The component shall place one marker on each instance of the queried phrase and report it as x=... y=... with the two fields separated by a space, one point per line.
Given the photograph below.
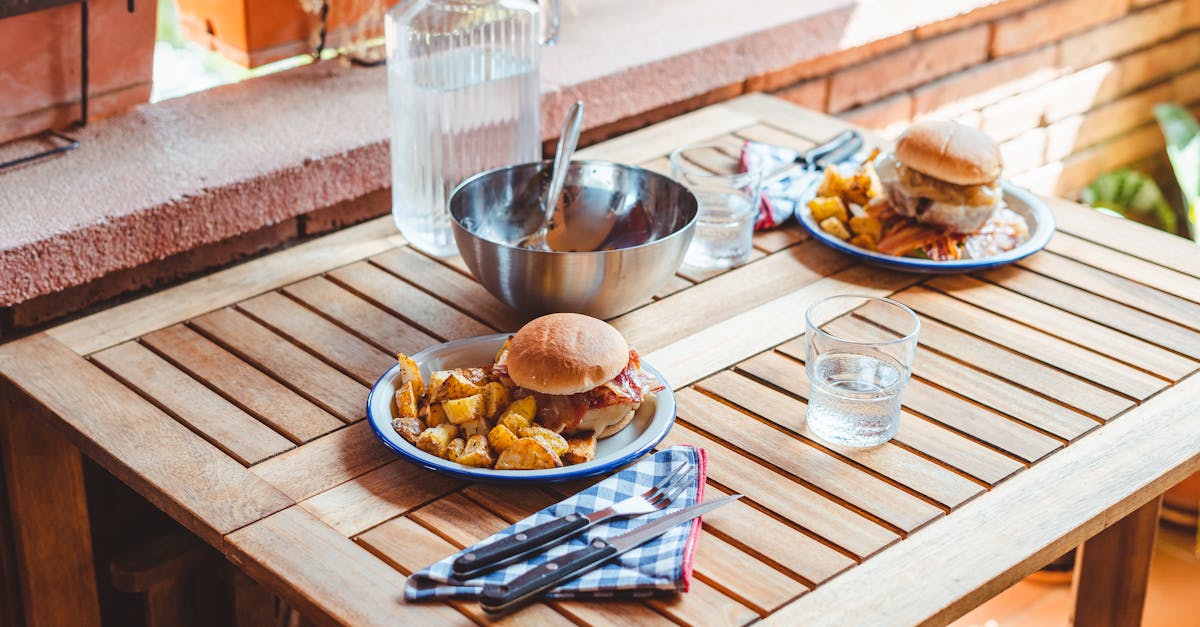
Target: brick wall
x=1067 y=87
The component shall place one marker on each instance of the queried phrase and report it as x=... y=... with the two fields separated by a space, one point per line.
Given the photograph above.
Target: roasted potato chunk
x=835 y=227
x=454 y=449
x=476 y=453
x=478 y=376
x=866 y=226
x=580 y=448
x=862 y=241
x=410 y=373
x=408 y=428
x=479 y=426
x=515 y=422
x=500 y=437
x=495 y=399
x=525 y=407
x=466 y=409
x=434 y=440
x=832 y=184
x=527 y=454
x=456 y=386
x=406 y=401
x=437 y=415
x=553 y=441
x=825 y=207
x=436 y=379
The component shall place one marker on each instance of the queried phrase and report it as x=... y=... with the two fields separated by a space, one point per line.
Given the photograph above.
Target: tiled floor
x=1173 y=599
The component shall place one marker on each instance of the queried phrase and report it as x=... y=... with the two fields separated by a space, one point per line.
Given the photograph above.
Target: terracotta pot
x=257 y=32
x=39 y=64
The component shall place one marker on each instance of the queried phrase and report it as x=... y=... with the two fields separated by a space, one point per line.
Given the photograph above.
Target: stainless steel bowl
x=631 y=226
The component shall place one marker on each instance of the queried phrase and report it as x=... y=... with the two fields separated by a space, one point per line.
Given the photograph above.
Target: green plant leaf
x=1183 y=149
x=1131 y=195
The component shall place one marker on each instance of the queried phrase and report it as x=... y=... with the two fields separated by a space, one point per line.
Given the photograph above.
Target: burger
x=943 y=175
x=582 y=372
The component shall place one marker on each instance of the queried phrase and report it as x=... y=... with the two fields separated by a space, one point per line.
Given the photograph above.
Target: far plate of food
x=469 y=419
x=936 y=204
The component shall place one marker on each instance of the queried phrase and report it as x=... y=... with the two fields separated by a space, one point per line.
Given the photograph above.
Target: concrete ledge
x=177 y=175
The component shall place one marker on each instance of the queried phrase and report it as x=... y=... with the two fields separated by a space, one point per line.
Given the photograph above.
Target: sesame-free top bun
x=951 y=152
x=566 y=353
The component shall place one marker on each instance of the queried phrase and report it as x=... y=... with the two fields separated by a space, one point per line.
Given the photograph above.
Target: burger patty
x=563 y=413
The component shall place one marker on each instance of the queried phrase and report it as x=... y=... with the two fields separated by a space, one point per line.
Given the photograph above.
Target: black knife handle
x=842 y=151
x=820 y=153
x=508 y=549
x=500 y=598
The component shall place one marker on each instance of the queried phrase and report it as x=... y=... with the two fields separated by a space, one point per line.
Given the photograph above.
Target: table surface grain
x=1049 y=399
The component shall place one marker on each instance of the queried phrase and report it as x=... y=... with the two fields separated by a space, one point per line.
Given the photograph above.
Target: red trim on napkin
x=689 y=548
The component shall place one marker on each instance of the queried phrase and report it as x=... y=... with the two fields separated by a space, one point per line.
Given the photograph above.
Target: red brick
x=1081 y=131
x=1143 y=142
x=1013 y=115
x=345 y=213
x=1042 y=180
x=973 y=16
x=1131 y=32
x=1187 y=87
x=1025 y=152
x=156 y=274
x=987 y=83
x=810 y=94
x=827 y=63
x=914 y=65
x=889 y=116
x=1191 y=14
x=1079 y=170
x=1051 y=22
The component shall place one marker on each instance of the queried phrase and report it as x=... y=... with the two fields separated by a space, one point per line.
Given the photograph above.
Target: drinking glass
x=859 y=356
x=728 y=203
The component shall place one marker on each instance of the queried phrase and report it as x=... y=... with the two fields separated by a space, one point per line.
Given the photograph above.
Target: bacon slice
x=565 y=412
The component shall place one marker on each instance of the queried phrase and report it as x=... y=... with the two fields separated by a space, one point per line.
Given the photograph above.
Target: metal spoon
x=562 y=163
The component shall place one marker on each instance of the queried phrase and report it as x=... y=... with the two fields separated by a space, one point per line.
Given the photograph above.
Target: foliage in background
x=1132 y=195
x=1183 y=148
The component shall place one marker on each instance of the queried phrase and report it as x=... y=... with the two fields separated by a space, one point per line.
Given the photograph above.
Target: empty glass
x=728 y=202
x=859 y=356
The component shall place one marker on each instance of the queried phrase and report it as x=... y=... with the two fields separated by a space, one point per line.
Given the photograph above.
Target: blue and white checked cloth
x=661 y=566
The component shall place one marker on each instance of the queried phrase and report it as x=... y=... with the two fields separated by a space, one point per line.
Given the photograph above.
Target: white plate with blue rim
x=649 y=426
x=1022 y=201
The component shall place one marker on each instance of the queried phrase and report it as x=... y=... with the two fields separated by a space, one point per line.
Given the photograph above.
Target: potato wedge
x=824 y=207
x=437 y=415
x=454 y=449
x=527 y=454
x=525 y=407
x=867 y=226
x=434 y=440
x=515 y=422
x=408 y=428
x=406 y=401
x=495 y=399
x=835 y=227
x=476 y=453
x=436 y=379
x=580 y=448
x=478 y=376
x=500 y=437
x=460 y=410
x=410 y=373
x=553 y=441
x=456 y=386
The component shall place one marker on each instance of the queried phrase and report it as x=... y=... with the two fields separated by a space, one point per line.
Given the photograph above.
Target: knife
x=841 y=147
x=496 y=599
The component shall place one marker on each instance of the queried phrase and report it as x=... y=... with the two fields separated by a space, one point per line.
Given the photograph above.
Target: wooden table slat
x=308 y=376
x=324 y=339
x=325 y=462
x=391 y=293
x=937 y=442
x=1098 y=309
x=662 y=138
x=211 y=495
x=814 y=466
x=217 y=420
x=372 y=323
x=1121 y=264
x=775 y=136
x=1162 y=304
x=1151 y=244
x=378 y=495
x=290 y=414
x=1077 y=360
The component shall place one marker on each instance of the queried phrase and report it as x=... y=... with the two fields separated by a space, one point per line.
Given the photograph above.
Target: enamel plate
x=649 y=426
x=1019 y=199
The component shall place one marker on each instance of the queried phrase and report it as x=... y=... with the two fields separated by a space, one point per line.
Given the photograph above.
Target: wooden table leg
x=1113 y=568
x=50 y=526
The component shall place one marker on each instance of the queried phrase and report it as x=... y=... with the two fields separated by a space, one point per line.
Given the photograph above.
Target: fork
x=512 y=548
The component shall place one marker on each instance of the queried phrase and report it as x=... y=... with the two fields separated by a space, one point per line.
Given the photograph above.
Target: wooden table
x=1052 y=403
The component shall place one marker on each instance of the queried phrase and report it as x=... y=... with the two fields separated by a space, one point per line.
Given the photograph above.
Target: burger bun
x=951 y=152
x=566 y=353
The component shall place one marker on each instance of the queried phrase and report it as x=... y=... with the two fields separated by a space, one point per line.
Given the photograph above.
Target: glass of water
x=728 y=203
x=859 y=356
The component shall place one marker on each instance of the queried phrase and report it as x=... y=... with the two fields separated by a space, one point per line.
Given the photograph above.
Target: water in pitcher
x=461 y=102
x=854 y=398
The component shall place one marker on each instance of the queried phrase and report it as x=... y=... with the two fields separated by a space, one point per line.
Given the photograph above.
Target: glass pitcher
x=464 y=97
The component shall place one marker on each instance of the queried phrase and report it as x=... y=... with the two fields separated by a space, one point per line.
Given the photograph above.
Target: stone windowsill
x=173 y=176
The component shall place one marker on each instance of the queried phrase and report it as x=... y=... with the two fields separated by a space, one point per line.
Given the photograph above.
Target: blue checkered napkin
x=781 y=198
x=660 y=566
